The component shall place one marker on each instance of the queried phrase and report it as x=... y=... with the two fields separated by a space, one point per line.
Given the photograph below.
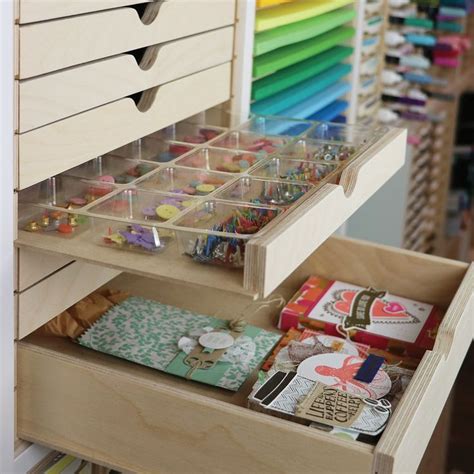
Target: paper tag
x=338 y=371
x=216 y=340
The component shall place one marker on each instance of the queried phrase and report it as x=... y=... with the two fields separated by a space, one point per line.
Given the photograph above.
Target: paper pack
x=374 y=317
x=151 y=333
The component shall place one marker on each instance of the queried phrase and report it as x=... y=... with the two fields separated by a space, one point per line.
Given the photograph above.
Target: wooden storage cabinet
x=134 y=418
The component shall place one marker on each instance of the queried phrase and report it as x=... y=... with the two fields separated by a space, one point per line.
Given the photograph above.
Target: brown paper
x=82 y=315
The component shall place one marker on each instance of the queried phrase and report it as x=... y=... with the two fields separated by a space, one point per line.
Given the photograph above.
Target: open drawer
x=134 y=418
x=60 y=43
x=276 y=249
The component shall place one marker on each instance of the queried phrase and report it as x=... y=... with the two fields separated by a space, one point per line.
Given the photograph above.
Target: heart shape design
x=394 y=307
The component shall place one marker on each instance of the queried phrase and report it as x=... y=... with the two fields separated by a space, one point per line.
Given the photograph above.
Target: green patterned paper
x=147 y=332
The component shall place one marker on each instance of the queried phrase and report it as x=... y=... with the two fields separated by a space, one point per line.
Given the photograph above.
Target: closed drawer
x=38 y=10
x=275 y=251
x=57 y=44
x=62 y=145
x=45 y=300
x=34 y=266
x=52 y=97
x=141 y=420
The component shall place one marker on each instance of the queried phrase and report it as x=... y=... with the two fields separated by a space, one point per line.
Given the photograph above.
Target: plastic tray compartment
x=112 y=169
x=40 y=219
x=188 y=181
x=218 y=159
x=284 y=168
x=188 y=132
x=263 y=135
x=333 y=142
x=139 y=205
x=65 y=192
x=217 y=232
x=276 y=126
x=152 y=148
x=264 y=191
x=122 y=234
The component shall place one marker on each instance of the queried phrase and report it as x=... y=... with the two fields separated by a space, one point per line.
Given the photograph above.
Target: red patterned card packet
x=373 y=317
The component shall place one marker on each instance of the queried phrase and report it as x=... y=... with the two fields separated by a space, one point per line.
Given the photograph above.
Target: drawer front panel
x=207 y=430
x=131 y=421
x=54 y=148
x=42 y=302
x=34 y=266
x=39 y=10
x=57 y=44
x=52 y=97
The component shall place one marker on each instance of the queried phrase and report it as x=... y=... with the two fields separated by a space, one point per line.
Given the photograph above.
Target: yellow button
x=187 y=203
x=205 y=188
x=166 y=211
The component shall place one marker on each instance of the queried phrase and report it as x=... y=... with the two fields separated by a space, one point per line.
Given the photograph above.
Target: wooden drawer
x=59 y=146
x=45 y=300
x=271 y=255
x=52 y=97
x=57 y=44
x=138 y=419
x=34 y=266
x=30 y=11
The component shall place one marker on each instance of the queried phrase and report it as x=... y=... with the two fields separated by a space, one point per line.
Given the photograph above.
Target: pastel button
x=166 y=211
x=77 y=201
x=205 y=188
x=187 y=203
x=107 y=179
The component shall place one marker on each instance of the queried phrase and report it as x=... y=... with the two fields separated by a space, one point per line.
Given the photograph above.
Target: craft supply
x=264 y=192
x=214 y=159
x=288 y=395
x=369 y=369
x=376 y=318
x=216 y=249
x=338 y=370
x=134 y=236
x=334 y=407
x=147 y=332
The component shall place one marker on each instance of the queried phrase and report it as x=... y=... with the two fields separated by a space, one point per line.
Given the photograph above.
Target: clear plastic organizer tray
x=187 y=132
x=112 y=169
x=266 y=192
x=64 y=191
x=218 y=159
x=207 y=202
x=153 y=148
